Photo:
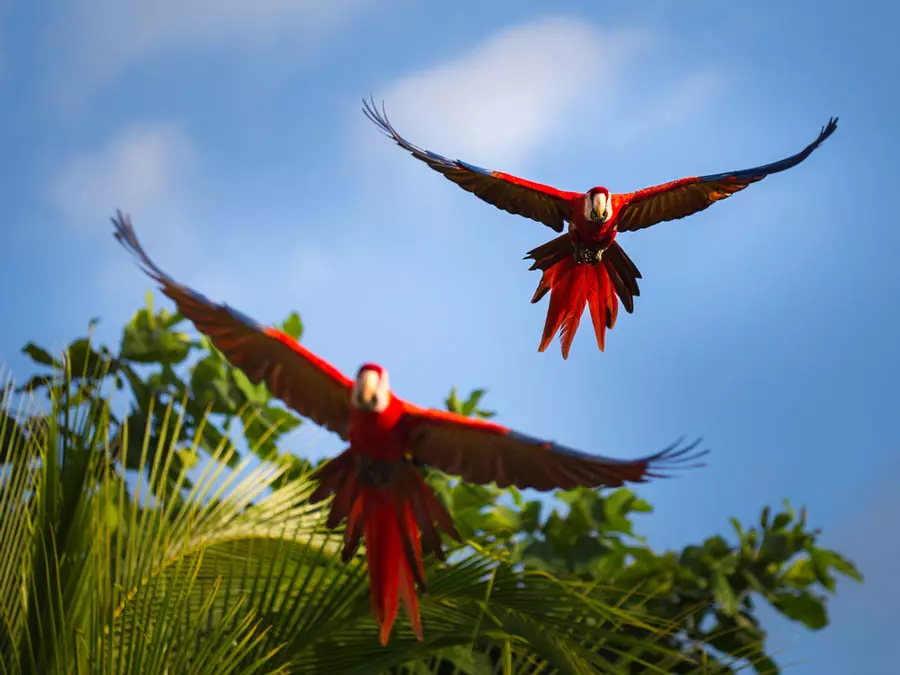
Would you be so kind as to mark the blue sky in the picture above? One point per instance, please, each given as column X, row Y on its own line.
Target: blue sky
column 767, row 323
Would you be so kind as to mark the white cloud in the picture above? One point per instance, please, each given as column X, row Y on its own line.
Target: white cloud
column 661, row 106
column 104, row 38
column 138, row 171
column 502, row 99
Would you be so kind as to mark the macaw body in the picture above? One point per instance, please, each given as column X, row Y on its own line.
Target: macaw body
column 376, row 482
column 586, row 266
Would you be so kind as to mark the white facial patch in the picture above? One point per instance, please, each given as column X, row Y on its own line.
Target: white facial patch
column 597, row 207
column 371, row 391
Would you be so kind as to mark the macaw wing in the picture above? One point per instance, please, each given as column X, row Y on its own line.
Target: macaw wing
column 306, row 383
column 514, row 195
column 680, row 198
column 481, row 451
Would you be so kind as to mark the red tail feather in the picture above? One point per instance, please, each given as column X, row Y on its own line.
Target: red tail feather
column 391, row 516
column 572, row 286
column 390, row 533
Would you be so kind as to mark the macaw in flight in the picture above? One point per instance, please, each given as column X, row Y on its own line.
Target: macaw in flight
column 586, row 266
column 376, row 481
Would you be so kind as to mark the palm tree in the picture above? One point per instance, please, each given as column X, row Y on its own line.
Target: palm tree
column 99, row 573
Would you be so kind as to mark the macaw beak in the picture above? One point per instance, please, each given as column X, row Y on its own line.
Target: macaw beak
column 367, row 396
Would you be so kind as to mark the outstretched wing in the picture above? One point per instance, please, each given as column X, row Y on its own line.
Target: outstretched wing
column 481, row 452
column 518, row 196
column 292, row 373
column 686, row 196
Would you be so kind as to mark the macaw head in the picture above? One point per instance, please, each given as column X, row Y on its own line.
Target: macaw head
column 597, row 205
column 372, row 389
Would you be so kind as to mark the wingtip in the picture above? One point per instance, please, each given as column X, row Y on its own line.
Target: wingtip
column 380, row 120
column 675, row 457
column 127, row 237
column 370, row 105
column 124, row 233
column 121, row 221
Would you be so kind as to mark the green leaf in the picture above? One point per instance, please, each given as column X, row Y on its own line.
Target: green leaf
column 502, row 520
column 147, row 339
column 293, row 326
column 469, row 407
column 616, row 508
column 531, row 516
column 540, row 555
column 723, row 593
column 39, row 355
column 263, row 426
column 453, row 403
column 254, row 393
column 85, row 361
column 717, row 547
column 37, row 382
column 821, row 565
column 803, row 607
column 212, row 388
column 167, row 320
column 639, row 505
column 800, row 574
column 781, row 520
column 471, row 404
column 844, row 566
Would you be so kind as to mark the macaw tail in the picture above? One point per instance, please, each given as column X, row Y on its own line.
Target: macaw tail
column 573, row 285
column 390, row 513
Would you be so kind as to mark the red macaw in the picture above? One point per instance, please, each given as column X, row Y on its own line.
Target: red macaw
column 376, row 482
column 586, row 265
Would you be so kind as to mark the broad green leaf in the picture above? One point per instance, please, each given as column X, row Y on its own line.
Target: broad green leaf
column 844, row 566
column 616, row 509
column 781, row 520
column 502, row 520
column 800, row 574
column 147, row 339
column 803, row 607
column 531, row 516
column 212, row 388
column 85, row 361
column 37, row 382
column 254, row 393
column 452, row 402
column 39, row 355
column 293, row 326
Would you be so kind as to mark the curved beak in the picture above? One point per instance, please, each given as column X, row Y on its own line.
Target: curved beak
column 367, row 391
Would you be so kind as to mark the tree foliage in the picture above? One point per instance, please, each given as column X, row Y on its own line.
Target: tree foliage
column 100, row 576
column 572, row 590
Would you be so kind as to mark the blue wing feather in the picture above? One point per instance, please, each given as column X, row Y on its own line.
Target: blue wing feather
column 306, row 383
column 672, row 456
column 433, row 159
column 126, row 236
column 759, row 172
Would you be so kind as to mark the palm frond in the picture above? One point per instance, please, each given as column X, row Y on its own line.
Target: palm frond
column 222, row 574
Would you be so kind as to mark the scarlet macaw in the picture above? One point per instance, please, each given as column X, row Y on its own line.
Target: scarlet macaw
column 376, row 482
column 587, row 265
